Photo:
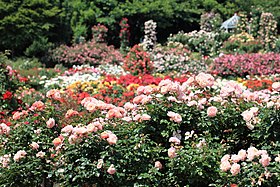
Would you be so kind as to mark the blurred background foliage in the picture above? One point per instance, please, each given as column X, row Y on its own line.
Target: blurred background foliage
column 31, row 27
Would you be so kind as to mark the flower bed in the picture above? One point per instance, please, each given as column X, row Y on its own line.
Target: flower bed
column 167, row 132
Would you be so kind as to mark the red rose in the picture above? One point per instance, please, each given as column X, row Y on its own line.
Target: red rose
column 7, row 96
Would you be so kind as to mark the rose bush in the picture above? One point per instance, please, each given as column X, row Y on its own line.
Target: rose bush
column 174, row 134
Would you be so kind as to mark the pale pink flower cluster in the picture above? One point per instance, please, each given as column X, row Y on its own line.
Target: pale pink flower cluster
column 111, row 170
column 40, row 154
column 230, row 162
column 158, row 165
column 276, row 86
column 34, row 146
column 129, row 106
column 142, row 99
column 37, row 105
column 17, row 115
column 141, row 117
column 250, row 117
column 175, row 140
column 231, row 88
column 54, row 94
column 50, row 123
column 19, row 155
column 70, row 113
column 172, row 152
column 204, row 80
column 174, row 116
column 77, row 133
column 109, row 136
column 4, row 129
column 92, row 104
column 212, row 111
column 147, row 90
column 5, row 160
column 116, row 112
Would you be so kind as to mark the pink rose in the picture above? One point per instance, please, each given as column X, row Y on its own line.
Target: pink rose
column 158, row 165
column 242, row 154
column 247, row 115
column 145, row 117
column 225, row 165
column 235, row 158
column 19, row 155
column 252, row 152
column 212, row 111
column 50, row 123
column 4, row 129
column 57, row 142
column 204, row 80
column 40, row 154
column 112, row 139
column 235, row 169
column 111, row 170
column 174, row 117
column 67, row 129
column 34, row 145
column 171, row 152
column 265, row 160
column 175, row 140
column 276, row 86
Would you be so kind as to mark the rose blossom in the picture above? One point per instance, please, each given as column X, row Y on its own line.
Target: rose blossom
column 19, row 155
column 57, row 142
column 252, row 152
column 242, row 153
column 225, row 165
column 171, row 152
column 174, row 140
column 276, row 86
column 4, row 129
column 40, row 154
column 111, row 170
column 247, row 115
column 174, row 117
column 235, row 169
column 158, row 165
column 34, row 145
column 212, row 111
column 265, row 160
column 112, row 139
column 50, row 123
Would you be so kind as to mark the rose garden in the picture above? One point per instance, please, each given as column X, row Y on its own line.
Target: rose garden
column 201, row 109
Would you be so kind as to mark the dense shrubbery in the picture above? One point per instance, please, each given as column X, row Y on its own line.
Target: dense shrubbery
column 138, row 61
column 206, row 43
column 241, row 43
column 90, row 52
column 247, row 64
column 169, row 135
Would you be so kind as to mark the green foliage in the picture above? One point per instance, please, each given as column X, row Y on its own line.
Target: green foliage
column 25, row 22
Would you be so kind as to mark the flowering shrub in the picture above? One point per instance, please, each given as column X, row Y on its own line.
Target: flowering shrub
column 210, row 21
column 267, row 30
column 251, row 166
column 150, row 37
column 247, row 64
column 206, row 43
column 241, row 43
column 170, row 58
column 138, row 61
column 9, row 83
column 124, row 35
column 173, row 134
column 99, row 33
column 90, row 52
